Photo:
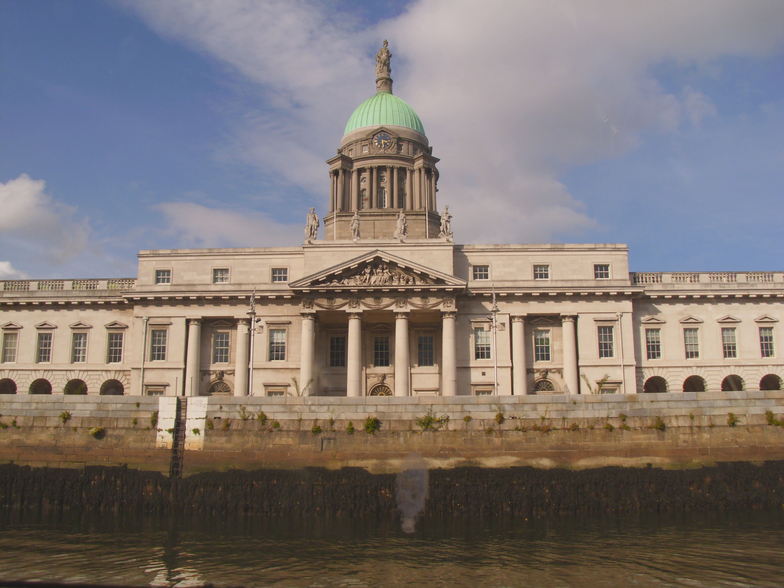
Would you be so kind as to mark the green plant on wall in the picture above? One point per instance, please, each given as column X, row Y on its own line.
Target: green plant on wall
column 154, row 420
column 732, row 419
column 316, row 430
column 97, row 432
column 300, row 391
column 262, row 418
column 372, row 425
column 350, row 428
column 430, row 422
column 65, row 416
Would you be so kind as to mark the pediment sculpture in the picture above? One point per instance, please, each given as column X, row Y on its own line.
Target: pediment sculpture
column 376, row 273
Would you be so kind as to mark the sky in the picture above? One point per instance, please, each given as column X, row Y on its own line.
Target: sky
column 143, row 124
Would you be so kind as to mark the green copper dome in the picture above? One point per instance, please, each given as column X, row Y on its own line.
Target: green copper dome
column 384, row 109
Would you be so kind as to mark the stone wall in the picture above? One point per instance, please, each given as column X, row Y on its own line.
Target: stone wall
column 221, row 433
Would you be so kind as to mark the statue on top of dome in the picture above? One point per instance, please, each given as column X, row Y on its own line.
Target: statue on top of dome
column 383, row 57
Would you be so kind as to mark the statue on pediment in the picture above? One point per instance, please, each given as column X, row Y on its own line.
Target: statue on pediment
column 311, row 226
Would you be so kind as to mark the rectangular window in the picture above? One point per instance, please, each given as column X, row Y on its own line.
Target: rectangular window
column 114, row 348
column 481, row 272
column 691, row 343
column 78, row 347
column 381, row 351
column 653, row 343
column 9, row 347
column 280, row 274
column 277, row 344
column 541, row 272
column 481, row 343
column 425, row 354
column 220, row 348
column 158, row 344
column 220, row 275
column 542, row 345
column 337, row 351
column 43, row 352
column 601, row 271
column 163, row 276
column 766, row 341
column 728, row 345
column 606, row 344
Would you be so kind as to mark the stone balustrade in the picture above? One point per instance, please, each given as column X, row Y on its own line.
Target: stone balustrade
column 688, row 279
column 83, row 285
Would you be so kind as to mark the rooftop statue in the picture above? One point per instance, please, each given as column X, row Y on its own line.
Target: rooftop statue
column 446, row 225
column 354, row 226
column 401, row 227
column 311, row 226
column 383, row 57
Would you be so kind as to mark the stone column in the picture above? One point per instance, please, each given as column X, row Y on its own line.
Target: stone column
column 331, row 191
column 417, row 184
column 409, row 189
column 393, row 199
column 519, row 369
column 241, row 358
column 448, row 359
column 341, row 190
column 402, row 361
column 307, row 353
column 570, row 369
column 355, row 190
column 354, row 352
column 193, row 358
column 373, row 187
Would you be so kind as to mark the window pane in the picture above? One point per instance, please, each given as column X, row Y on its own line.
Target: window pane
column 337, row 351
column 691, row 343
column 158, row 345
column 481, row 343
column 541, row 272
column 606, row 341
column 114, row 348
column 277, row 344
column 425, row 355
column 601, row 271
column 220, row 275
column 481, row 272
column 220, row 348
column 44, row 351
column 381, row 351
column 163, row 276
column 728, row 345
column 653, row 343
column 541, row 345
column 79, row 347
column 280, row 274
column 9, row 347
column 766, row 341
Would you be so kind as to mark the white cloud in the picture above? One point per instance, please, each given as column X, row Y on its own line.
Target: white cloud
column 201, row 226
column 34, row 225
column 511, row 93
column 9, row 272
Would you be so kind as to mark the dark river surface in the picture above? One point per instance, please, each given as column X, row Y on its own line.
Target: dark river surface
column 701, row 549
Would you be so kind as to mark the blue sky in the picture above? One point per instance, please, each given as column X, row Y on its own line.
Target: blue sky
column 144, row 124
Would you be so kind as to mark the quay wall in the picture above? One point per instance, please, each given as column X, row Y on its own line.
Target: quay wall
column 223, row 433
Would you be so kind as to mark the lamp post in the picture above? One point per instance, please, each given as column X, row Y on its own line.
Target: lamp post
column 254, row 321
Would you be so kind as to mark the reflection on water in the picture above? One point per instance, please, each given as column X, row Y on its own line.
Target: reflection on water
column 718, row 550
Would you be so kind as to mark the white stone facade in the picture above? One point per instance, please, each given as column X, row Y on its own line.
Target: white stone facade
column 385, row 303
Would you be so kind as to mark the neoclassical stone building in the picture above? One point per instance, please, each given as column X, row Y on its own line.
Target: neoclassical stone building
column 383, row 302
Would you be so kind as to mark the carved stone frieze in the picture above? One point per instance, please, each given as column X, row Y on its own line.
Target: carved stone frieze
column 376, row 273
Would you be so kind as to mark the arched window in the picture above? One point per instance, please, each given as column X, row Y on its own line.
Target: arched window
column 655, row 385
column 694, row 384
column 219, row 388
column 381, row 390
column 112, row 388
column 768, row 382
column 75, row 387
column 732, row 383
column 543, row 386
column 41, row 386
column 7, row 386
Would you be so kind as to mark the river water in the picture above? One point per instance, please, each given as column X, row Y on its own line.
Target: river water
column 717, row 549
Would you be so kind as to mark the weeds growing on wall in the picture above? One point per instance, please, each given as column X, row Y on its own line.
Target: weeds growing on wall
column 430, row 422
column 350, row 428
column 262, row 418
column 97, row 432
column 316, row 430
column 372, row 425
column 772, row 420
column 154, row 420
column 732, row 419
column 65, row 416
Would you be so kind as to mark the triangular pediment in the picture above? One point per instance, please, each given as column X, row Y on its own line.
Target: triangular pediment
column 115, row 325
column 691, row 320
column 80, row 325
column 728, row 319
column 45, row 325
column 765, row 318
column 10, row 326
column 378, row 269
column 652, row 320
